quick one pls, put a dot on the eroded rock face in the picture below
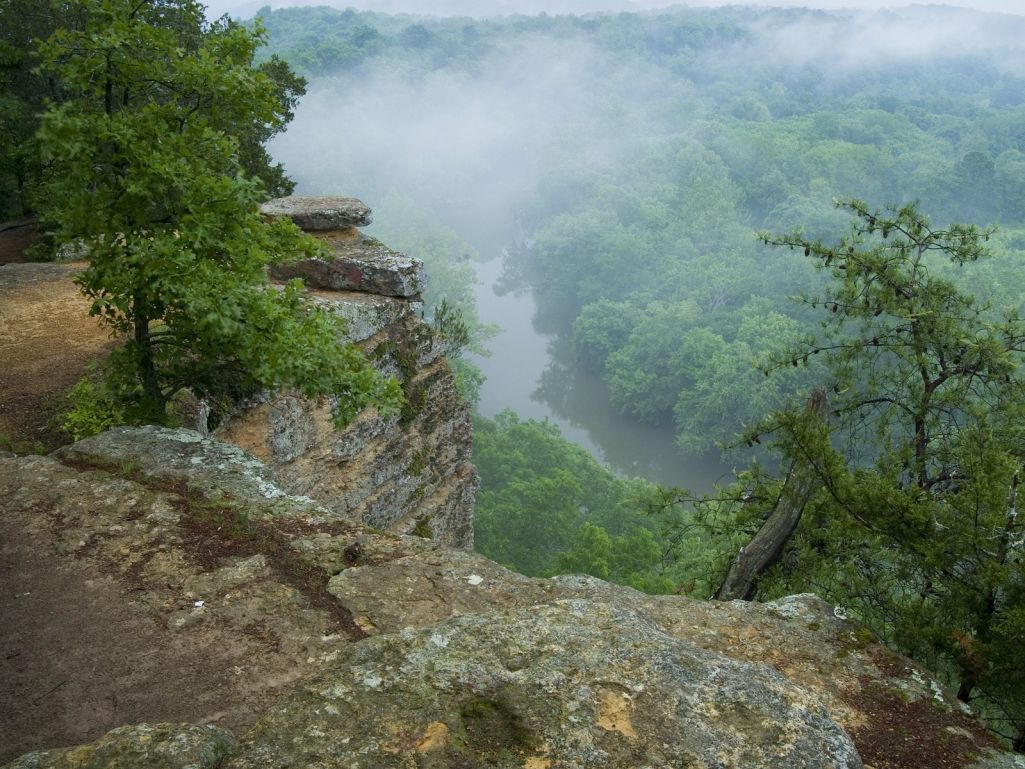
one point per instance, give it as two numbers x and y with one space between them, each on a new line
407 472
360 264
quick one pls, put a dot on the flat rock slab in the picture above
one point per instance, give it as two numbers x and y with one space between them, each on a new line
113 616
572 684
360 265
319 214
397 652
184 457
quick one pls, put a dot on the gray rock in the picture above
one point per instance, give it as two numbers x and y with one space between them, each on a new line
292 429
143 746
464 655
359 265
320 214
993 759
184 457
364 314
573 684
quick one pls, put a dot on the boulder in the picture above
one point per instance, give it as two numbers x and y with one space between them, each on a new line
320 213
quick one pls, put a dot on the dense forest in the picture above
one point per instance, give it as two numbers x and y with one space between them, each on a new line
623 164
635 155
862 361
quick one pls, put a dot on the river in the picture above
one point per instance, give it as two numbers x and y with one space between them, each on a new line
524 375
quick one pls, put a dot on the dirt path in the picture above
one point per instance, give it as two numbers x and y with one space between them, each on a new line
79 652
82 650
46 341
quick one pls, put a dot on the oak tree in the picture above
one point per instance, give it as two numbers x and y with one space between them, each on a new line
148 179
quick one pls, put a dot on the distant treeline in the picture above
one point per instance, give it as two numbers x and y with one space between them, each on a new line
690 131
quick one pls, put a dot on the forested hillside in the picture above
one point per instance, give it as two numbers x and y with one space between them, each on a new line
623 165
631 158
796 235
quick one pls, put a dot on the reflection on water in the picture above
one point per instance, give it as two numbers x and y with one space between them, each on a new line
525 374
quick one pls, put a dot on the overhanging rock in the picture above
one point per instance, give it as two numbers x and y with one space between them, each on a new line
405 473
356 262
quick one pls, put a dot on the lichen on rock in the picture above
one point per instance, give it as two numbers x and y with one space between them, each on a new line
575 683
143 746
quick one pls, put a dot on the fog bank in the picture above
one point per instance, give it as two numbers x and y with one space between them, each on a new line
491 8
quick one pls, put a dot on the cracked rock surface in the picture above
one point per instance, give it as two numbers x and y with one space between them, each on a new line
166 604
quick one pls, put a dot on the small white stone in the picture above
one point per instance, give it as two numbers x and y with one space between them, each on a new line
475 579
372 681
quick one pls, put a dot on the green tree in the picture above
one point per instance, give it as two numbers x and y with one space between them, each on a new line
25 91
914 524
22 90
147 176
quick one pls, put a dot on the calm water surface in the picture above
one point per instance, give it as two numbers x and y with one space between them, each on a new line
524 375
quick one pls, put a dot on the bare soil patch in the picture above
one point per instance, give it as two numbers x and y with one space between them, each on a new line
79 656
47 340
82 649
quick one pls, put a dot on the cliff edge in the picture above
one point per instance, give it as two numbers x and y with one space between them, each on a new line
252 597
247 627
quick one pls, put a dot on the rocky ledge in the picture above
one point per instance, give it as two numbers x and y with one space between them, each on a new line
323 214
410 472
326 643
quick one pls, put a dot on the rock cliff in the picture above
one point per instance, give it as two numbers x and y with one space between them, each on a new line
236 625
253 598
406 473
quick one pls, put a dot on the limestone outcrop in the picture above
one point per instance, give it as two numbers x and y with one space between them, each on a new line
403 473
323 214
348 646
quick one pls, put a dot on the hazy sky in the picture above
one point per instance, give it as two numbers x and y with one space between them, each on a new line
246 8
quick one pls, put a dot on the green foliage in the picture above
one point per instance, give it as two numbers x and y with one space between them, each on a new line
915 528
20 447
92 408
22 91
25 91
452 327
645 195
147 177
547 507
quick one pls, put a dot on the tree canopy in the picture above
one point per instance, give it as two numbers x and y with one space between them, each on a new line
146 175
913 526
26 89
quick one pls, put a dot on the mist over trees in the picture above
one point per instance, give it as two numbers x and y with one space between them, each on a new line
629 159
622 163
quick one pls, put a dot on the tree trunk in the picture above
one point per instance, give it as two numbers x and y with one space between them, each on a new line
147 366
767 545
